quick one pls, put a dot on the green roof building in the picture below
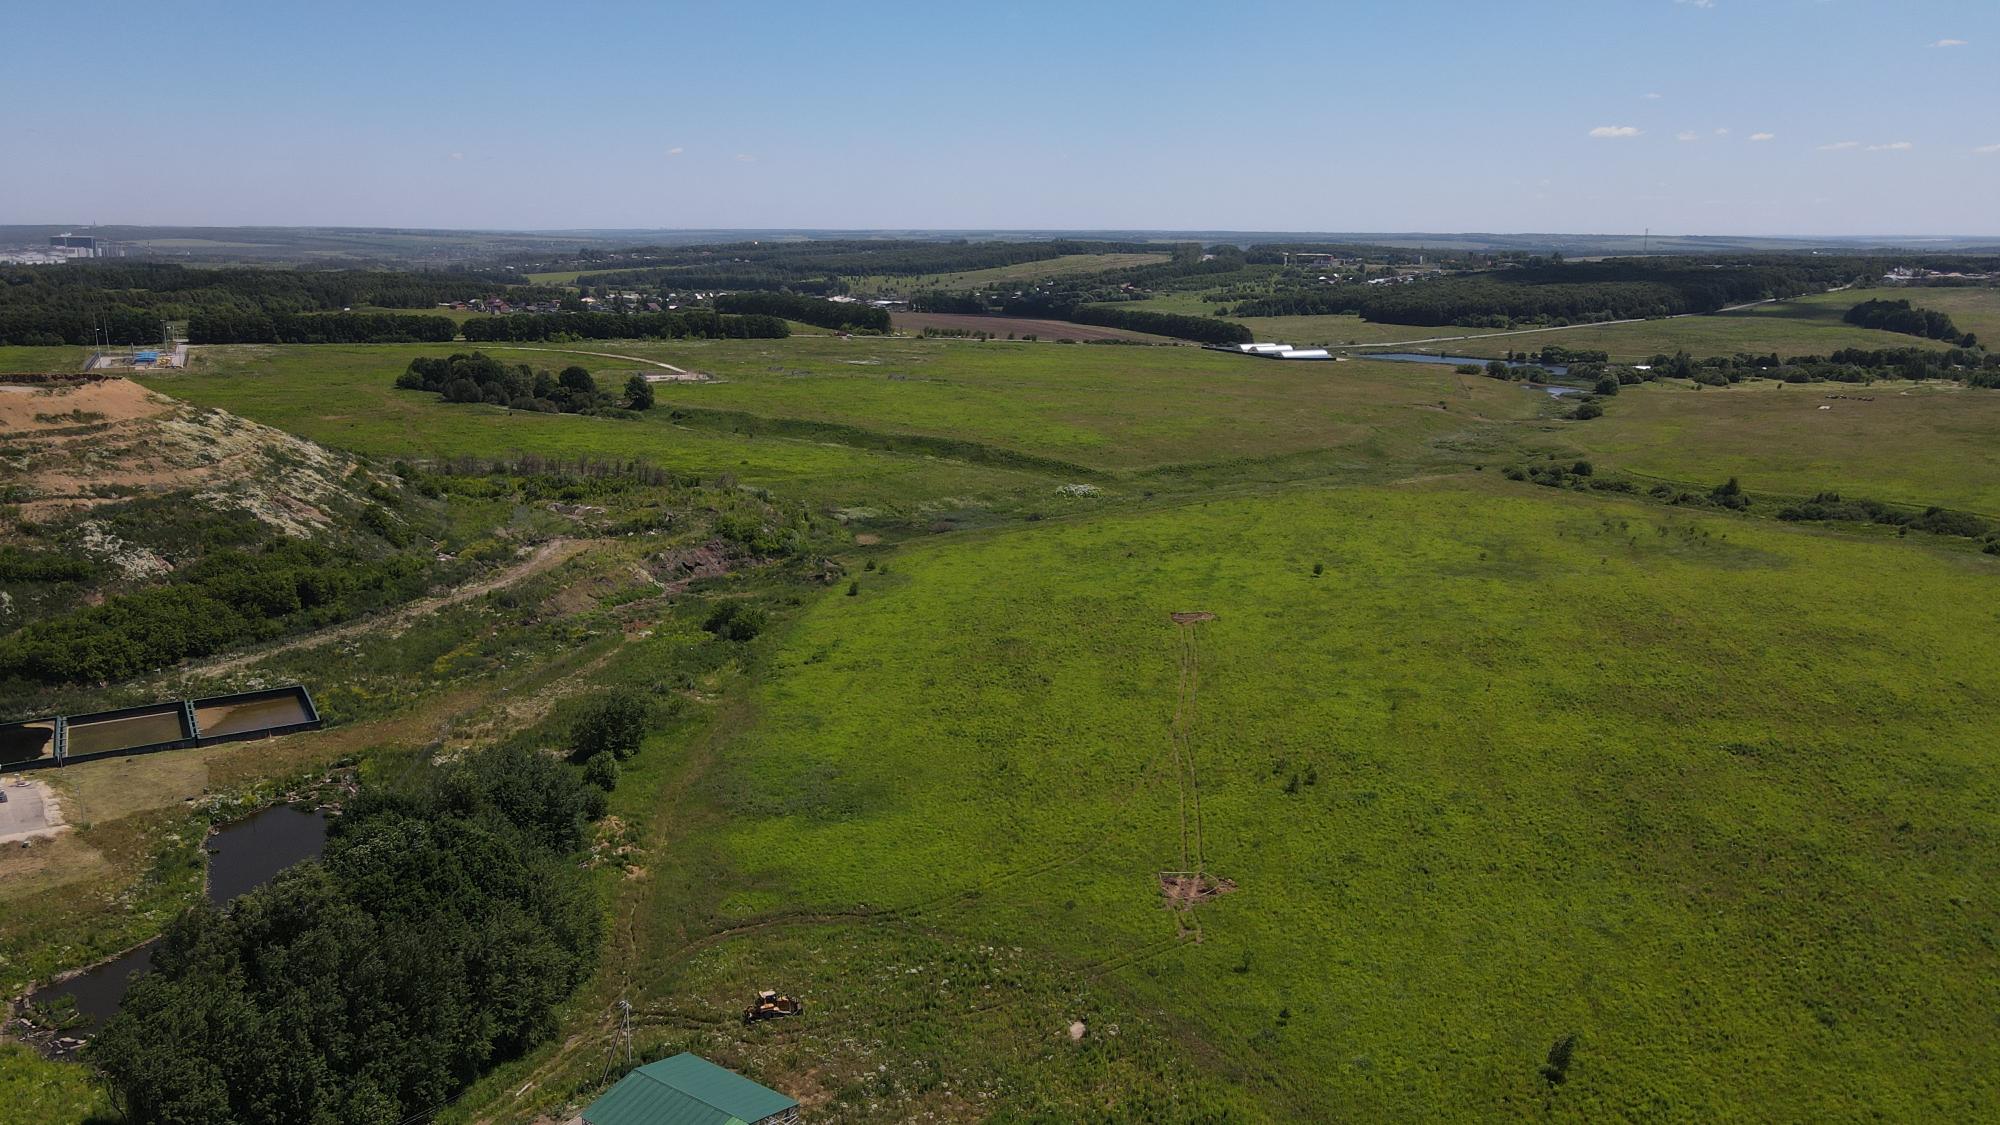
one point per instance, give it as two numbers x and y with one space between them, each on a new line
689 1090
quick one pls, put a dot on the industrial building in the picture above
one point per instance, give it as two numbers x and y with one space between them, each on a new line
689 1090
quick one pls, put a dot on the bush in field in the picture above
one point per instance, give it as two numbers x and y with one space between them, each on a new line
638 393
1556 1070
734 621
613 723
602 771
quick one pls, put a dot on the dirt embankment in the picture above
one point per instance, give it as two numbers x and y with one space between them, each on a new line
76 445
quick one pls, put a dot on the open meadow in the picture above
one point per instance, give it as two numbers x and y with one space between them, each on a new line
1714 797
1911 444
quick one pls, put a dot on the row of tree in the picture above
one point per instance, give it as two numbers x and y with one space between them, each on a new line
436 936
685 324
232 326
845 316
86 302
1568 293
1900 316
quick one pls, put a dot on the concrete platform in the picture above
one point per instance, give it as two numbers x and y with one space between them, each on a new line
30 810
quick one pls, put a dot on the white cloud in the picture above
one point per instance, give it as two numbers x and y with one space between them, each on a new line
1892 146
674 151
1763 136
1654 97
1839 145
1603 132
458 156
1722 132
1949 43
1687 135
1987 150
1697 3
746 158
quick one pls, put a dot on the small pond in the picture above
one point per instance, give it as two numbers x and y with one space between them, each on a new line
241 857
1454 360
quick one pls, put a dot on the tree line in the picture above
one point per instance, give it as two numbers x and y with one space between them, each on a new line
684 324
846 316
1900 316
252 327
435 937
1570 293
83 302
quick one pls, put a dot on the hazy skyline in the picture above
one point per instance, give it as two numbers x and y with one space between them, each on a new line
1803 117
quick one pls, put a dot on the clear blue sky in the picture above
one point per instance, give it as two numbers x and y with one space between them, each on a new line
1715 117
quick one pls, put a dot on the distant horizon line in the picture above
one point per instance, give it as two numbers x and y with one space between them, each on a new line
992 230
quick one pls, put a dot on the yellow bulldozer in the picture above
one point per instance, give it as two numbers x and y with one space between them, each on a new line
771 1006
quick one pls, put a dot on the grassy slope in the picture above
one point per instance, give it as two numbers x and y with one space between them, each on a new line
343 396
1109 408
1711 795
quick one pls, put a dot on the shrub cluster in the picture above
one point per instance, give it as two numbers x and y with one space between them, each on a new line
226 598
1900 316
478 377
1829 506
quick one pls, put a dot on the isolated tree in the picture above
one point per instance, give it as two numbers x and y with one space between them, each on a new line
577 379
638 393
614 722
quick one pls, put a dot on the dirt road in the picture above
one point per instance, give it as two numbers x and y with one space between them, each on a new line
680 374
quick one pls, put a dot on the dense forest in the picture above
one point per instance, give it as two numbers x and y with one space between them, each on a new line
435 937
478 377
79 303
1570 293
846 316
685 324
1899 316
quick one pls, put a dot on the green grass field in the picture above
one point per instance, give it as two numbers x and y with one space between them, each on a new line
1714 797
1126 411
343 396
1911 444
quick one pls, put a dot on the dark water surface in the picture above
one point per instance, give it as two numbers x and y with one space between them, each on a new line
242 857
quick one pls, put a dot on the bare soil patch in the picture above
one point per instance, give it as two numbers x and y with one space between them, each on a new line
1185 888
1002 326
